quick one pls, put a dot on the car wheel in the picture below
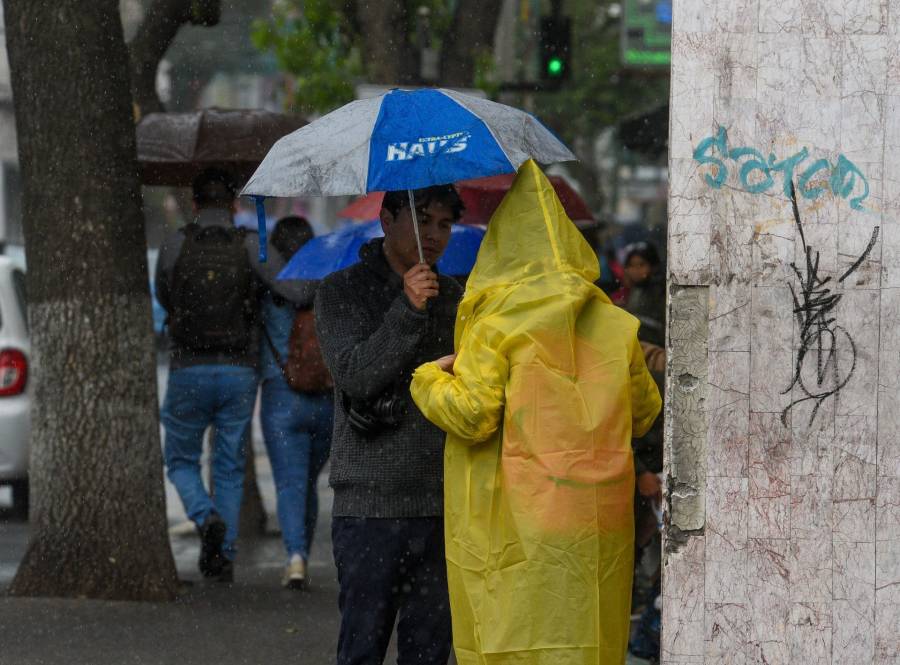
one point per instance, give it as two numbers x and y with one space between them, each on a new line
20 499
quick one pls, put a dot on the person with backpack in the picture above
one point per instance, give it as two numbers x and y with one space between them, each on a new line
209 279
296 409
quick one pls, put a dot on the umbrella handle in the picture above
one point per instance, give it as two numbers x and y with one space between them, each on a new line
415 220
261 224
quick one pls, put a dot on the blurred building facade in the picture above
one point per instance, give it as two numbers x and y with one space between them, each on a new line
10 186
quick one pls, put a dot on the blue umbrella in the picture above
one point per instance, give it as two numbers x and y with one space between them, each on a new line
326 254
404 139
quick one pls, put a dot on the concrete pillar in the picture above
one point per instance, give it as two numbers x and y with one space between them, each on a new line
783 413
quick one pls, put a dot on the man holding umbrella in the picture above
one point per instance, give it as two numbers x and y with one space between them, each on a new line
377 321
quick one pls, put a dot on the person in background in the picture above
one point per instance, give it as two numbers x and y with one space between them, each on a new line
208 279
646 300
296 423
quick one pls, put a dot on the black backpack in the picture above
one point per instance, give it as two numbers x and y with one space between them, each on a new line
212 291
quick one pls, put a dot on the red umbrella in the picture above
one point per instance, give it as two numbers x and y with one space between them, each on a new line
364 208
481 197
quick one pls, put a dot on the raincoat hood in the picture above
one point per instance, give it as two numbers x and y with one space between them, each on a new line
535 237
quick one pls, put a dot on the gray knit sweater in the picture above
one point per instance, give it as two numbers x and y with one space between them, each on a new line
372 340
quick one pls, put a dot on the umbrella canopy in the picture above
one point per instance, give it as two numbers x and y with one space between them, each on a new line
404 139
326 254
481 197
173 148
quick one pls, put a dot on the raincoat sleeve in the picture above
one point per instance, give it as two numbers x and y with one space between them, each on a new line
645 400
468 403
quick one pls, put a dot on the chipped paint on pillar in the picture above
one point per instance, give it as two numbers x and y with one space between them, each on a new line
783 413
686 425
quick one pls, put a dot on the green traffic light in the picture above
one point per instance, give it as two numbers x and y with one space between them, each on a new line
555 66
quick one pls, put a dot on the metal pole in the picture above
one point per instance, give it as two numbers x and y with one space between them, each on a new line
415 220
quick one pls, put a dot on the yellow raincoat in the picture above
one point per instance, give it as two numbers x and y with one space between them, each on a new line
550 385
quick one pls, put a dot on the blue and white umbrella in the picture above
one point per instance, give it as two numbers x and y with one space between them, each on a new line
326 254
404 139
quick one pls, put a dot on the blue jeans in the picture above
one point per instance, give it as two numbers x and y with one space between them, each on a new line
297 430
197 397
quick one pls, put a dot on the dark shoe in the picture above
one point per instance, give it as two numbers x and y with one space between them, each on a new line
212 535
645 643
226 572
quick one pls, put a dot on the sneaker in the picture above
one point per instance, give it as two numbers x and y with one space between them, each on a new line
294 573
212 535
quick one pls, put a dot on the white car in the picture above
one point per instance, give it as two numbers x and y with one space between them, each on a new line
15 399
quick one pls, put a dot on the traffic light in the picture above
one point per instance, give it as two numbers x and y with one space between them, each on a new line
556 34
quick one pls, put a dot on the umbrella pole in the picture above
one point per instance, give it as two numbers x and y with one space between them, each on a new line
261 225
415 220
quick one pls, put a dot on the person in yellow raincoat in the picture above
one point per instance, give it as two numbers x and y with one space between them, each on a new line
540 405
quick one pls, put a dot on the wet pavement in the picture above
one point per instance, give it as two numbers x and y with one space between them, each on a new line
250 622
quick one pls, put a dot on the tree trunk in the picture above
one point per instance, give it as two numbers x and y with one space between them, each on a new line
471 35
152 40
98 509
388 55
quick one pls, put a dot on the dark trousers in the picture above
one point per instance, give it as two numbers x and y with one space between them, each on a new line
386 567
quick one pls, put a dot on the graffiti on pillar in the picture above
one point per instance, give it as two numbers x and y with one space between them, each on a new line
826 359
758 174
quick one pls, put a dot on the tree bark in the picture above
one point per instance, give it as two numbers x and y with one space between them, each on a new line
98 509
471 35
388 55
152 40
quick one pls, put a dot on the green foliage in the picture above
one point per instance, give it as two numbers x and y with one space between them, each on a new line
311 40
318 43
486 74
599 92
440 18
315 41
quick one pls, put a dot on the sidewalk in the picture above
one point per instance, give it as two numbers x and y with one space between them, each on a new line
251 622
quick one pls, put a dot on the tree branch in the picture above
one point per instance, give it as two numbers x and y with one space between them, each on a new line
388 55
152 40
472 34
